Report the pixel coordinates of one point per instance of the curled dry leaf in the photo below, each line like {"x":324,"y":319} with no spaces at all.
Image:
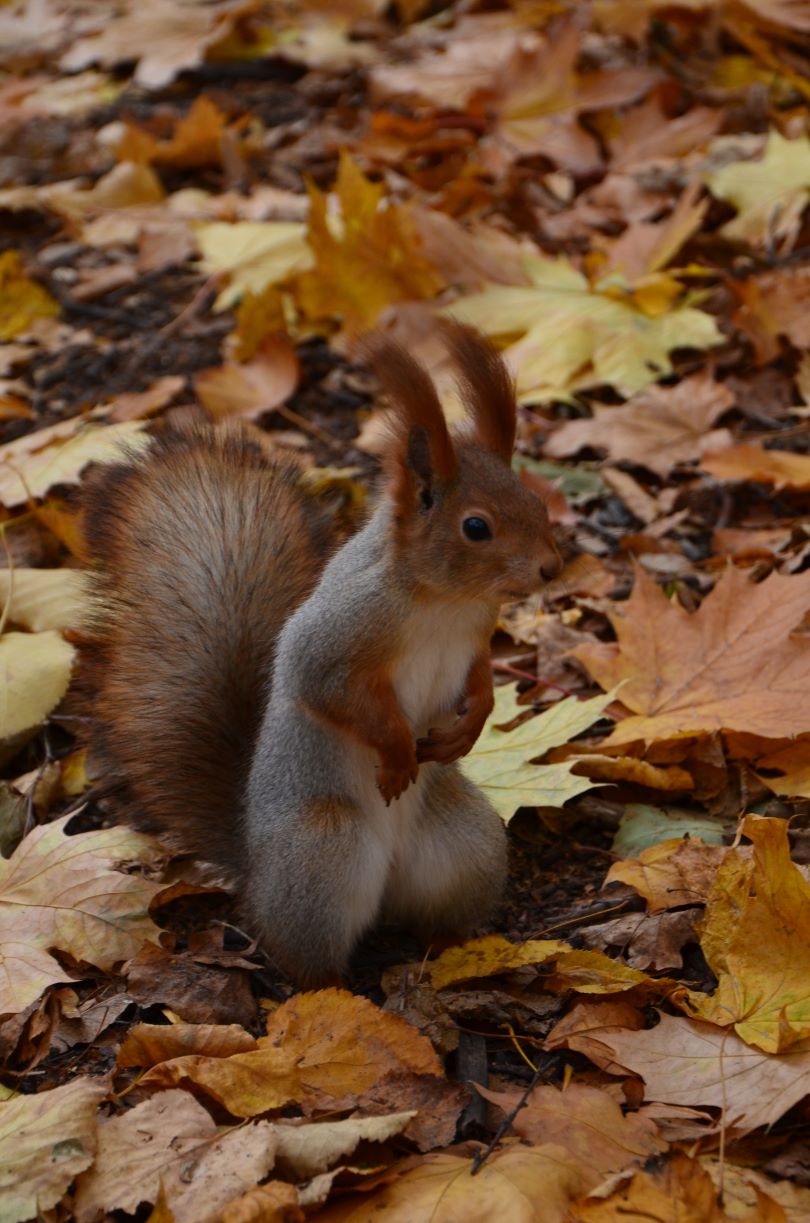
{"x":647,"y":940}
{"x":731,"y":665}
{"x":45,"y":1141}
{"x":672,"y":873}
{"x":322,"y":1049}
{"x":64,"y":893}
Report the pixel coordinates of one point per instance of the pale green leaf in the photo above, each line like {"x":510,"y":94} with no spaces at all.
{"x":643,"y":825}
{"x":499,"y":762}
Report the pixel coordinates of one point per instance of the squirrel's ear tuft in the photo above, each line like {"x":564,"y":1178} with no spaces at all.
{"x":421,"y":452}
{"x":486,"y":386}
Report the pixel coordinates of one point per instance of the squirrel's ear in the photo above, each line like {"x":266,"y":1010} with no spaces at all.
{"x":421,"y":453}
{"x":486,"y":386}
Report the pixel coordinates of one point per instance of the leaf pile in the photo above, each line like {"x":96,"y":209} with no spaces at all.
{"x":203,"y":208}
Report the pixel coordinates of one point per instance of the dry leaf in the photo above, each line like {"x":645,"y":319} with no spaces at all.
{"x":42,"y":599}
{"x":672,"y":873}
{"x":65,"y":893}
{"x":367,"y":258}
{"x":172,"y":1140}
{"x":781,"y":468}
{"x":756,"y":940}
{"x":252,"y":254}
{"x":45,"y":1141}
{"x":489,"y":956}
{"x":259,"y":385}
{"x":35,"y":670}
{"x":730,"y":665}
{"x":658,"y":428}
{"x":148,"y":1044}
{"x":58,"y":455}
{"x":321,"y":1049}
{"x":686,"y":1062}
{"x":770,"y":195}
{"x":21,"y":300}
{"x":647,"y":940}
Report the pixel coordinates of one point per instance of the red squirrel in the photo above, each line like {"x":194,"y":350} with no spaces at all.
{"x":295,"y":719}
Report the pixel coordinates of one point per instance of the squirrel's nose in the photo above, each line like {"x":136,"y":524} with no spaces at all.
{"x":551,"y":568}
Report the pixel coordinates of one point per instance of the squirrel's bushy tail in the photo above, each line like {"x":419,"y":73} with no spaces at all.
{"x":200,"y":550}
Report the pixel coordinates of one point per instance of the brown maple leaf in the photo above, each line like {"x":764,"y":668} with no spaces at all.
{"x":731,"y":665}
{"x":659,"y":427}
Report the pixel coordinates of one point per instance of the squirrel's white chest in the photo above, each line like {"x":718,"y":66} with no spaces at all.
{"x":439,"y":649}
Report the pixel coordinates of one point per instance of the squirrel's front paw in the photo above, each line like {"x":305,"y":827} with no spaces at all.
{"x":445,"y":746}
{"x":394,"y":776}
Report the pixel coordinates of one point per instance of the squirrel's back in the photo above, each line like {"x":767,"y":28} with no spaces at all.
{"x":200,"y":549}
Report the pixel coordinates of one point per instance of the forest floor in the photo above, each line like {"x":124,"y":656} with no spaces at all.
{"x":203,"y":208}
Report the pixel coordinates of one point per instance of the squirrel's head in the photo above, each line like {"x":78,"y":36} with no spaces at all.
{"x":464,"y":522}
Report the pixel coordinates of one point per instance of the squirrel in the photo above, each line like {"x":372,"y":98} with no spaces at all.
{"x":293,"y":712}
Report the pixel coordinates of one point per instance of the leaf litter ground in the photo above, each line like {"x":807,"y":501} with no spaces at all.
{"x":620,"y":200}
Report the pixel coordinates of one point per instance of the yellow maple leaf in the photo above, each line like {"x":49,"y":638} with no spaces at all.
{"x":756,"y":940}
{"x":770,"y":195}
{"x":366,"y":258}
{"x":21,"y":299}
{"x":576,"y":335}
{"x":252,"y":254}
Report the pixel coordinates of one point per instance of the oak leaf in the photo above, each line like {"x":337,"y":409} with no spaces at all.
{"x":684,"y":1061}
{"x":45,"y":1141}
{"x":659,"y":427}
{"x":597,"y":339}
{"x":770,"y":195}
{"x":64,"y":893}
{"x":499,"y":762}
{"x":320,"y":1048}
{"x":732,"y":664}
{"x":781,"y":468}
{"x":756,"y":940}
{"x":366,"y":258}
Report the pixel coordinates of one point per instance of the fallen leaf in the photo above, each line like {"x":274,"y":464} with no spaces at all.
{"x":732,"y":664}
{"x":148,"y":1044}
{"x":770,"y":195}
{"x":756,"y":940}
{"x":597,"y":339}
{"x":672,"y":873}
{"x":136,"y":405}
{"x":586,"y":1122}
{"x":45,"y":1141}
{"x":164,"y":37}
{"x":172,"y":1140}
{"x":42,"y":599}
{"x":499,"y":762}
{"x":35,"y":670}
{"x":21,"y":300}
{"x":489,"y":956}
{"x":303,"y":1151}
{"x":257,"y":386}
{"x":367,"y":257}
{"x":439,"y":1188}
{"x":793,"y":762}
{"x":782,"y":468}
{"x":647,"y":134}
{"x":591,"y":972}
{"x":775,"y":304}
{"x":647,"y":941}
{"x":252,"y":255}
{"x":56,"y":455}
{"x":321,"y":1048}
{"x":643,"y":826}
{"x":658,"y":428}
{"x":683,"y":1061}
{"x":64,"y":893}
{"x":678,"y":1191}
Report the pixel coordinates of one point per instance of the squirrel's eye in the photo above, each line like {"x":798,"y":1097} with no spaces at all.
{"x":476,"y":529}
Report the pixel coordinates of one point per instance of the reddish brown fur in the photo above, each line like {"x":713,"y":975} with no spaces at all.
{"x":487,"y":388}
{"x":175,"y":714}
{"x":414,"y":405}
